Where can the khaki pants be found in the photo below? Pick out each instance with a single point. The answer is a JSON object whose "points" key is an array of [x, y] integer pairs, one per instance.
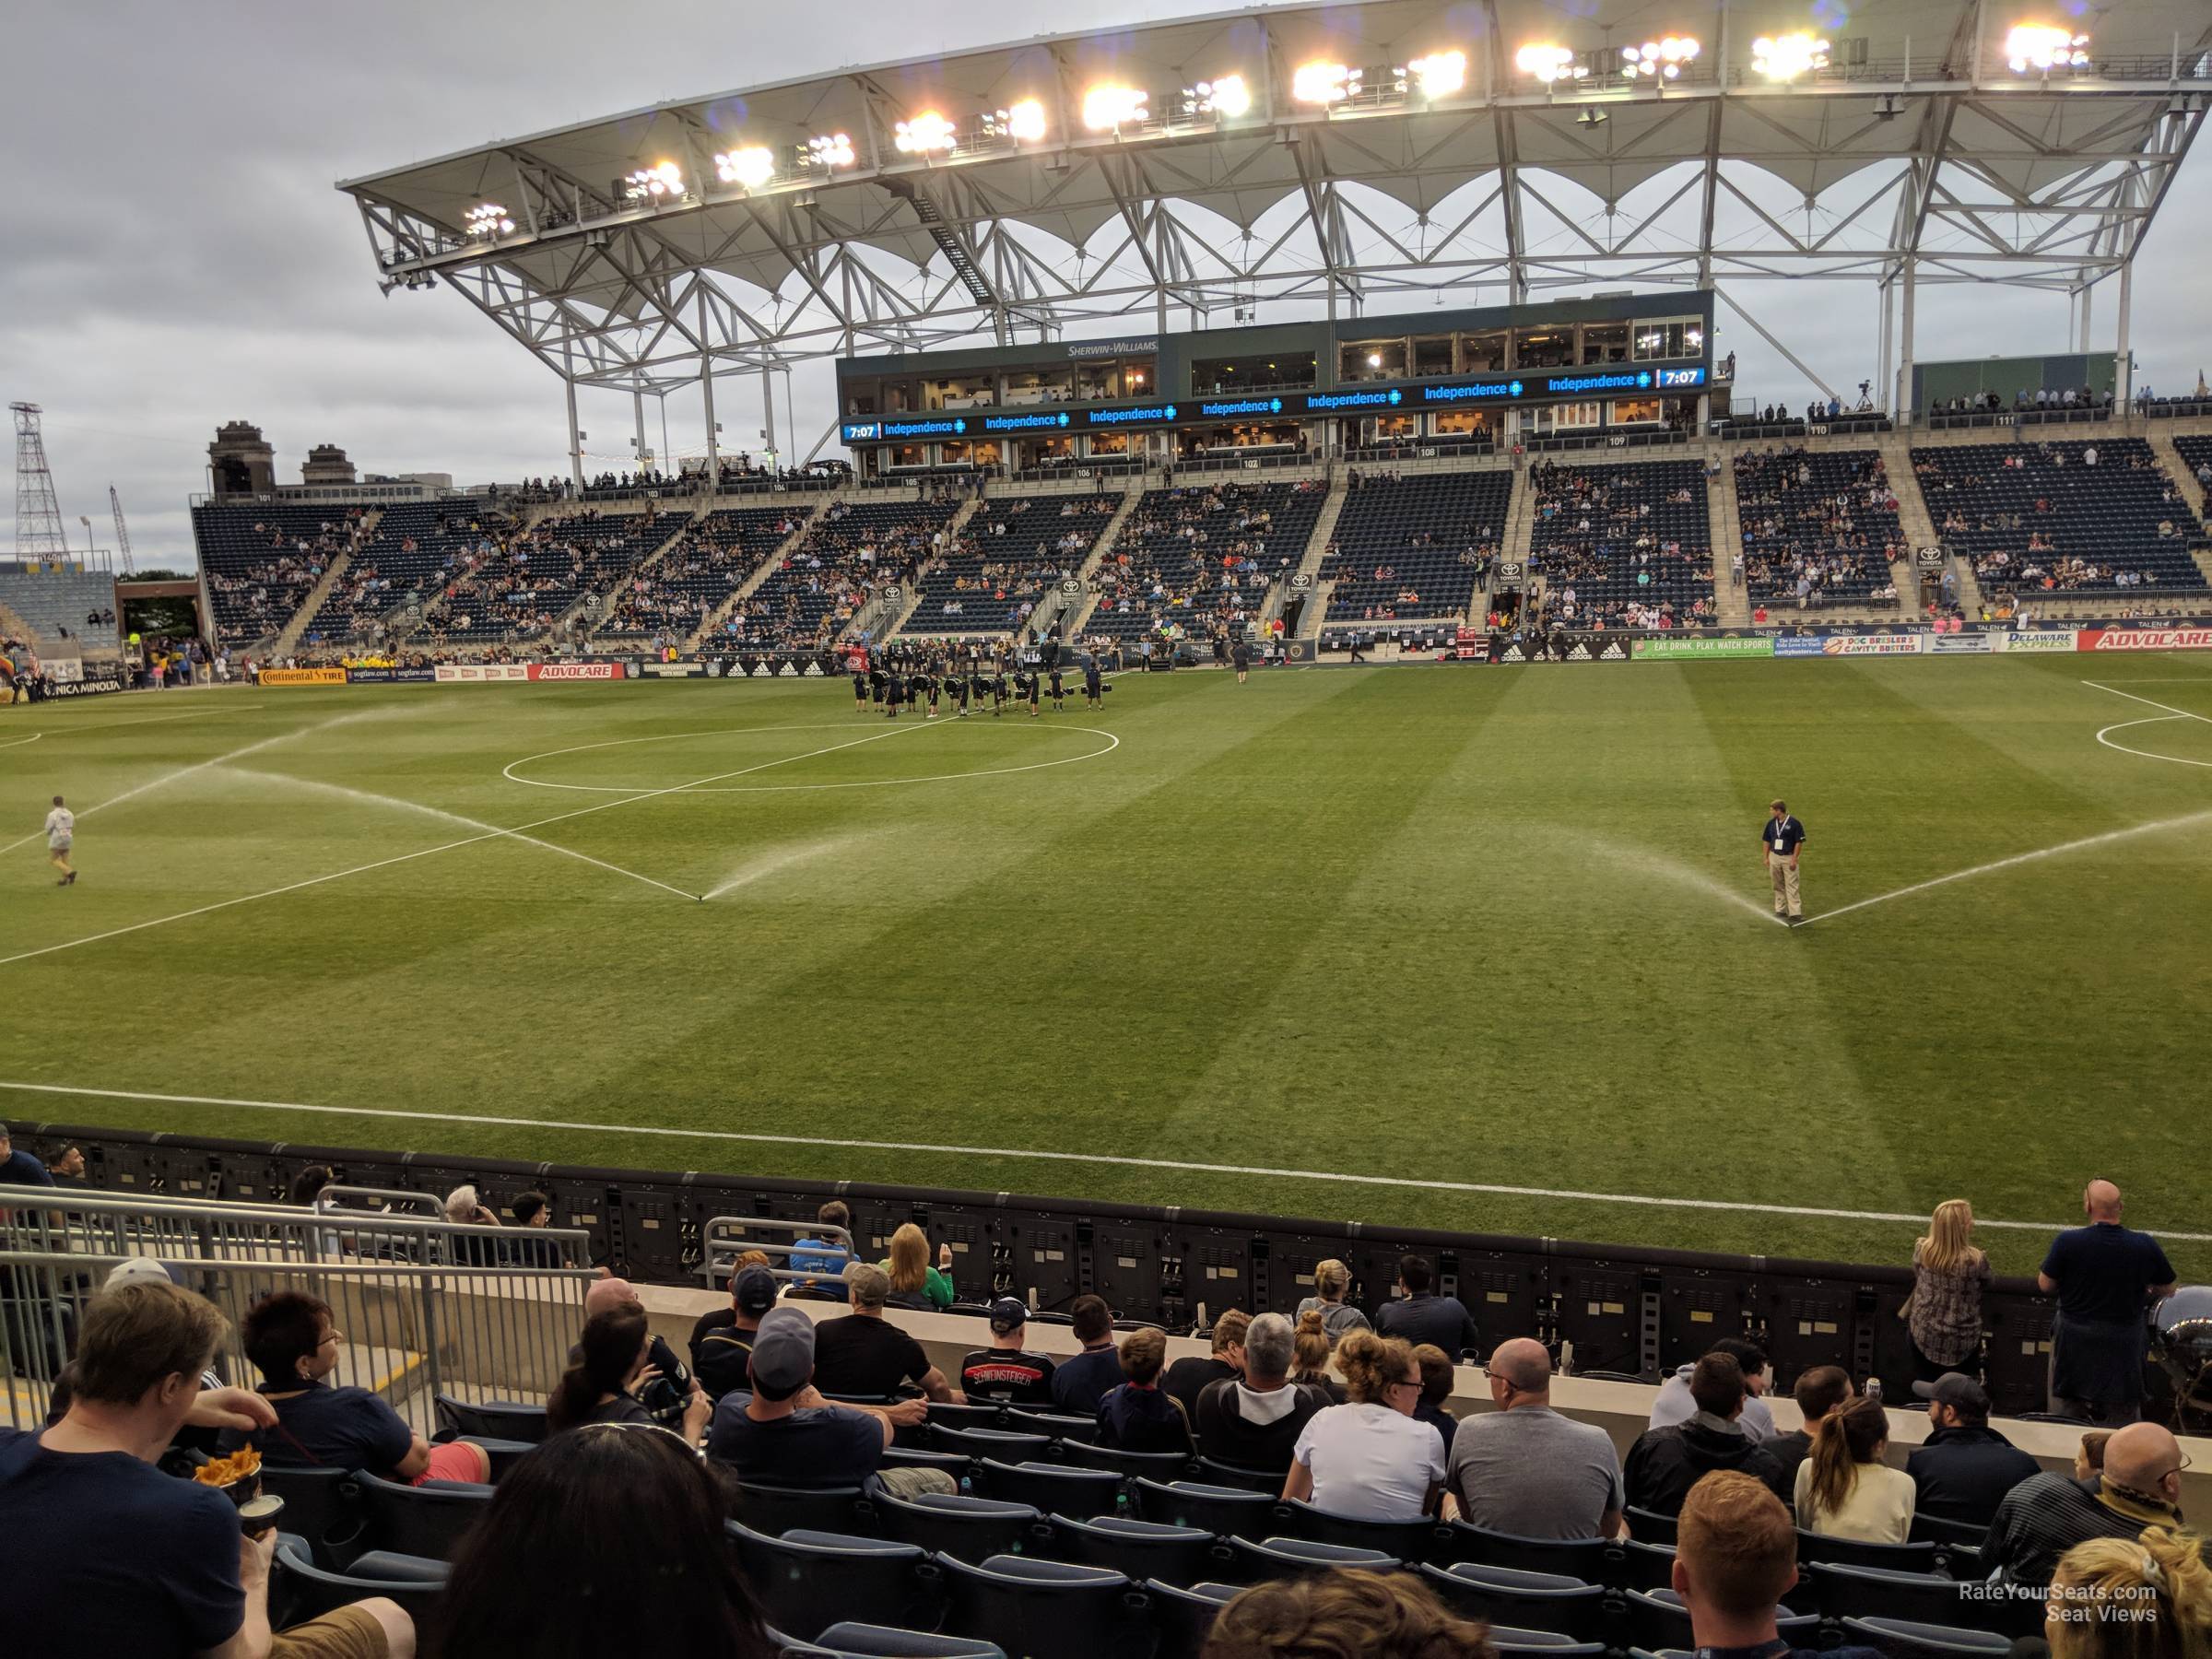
{"points": [[1784, 871]]}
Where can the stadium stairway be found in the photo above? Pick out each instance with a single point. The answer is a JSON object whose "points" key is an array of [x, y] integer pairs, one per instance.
{"points": [[13, 627], [1729, 599], [1100, 550], [910, 595], [583, 606], [1970, 591], [814, 510], [293, 631], [1317, 546], [2177, 469]]}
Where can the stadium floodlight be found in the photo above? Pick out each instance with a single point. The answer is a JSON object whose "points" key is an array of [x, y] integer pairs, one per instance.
{"points": [[1659, 60], [2037, 48], [1111, 108], [1786, 57], [1324, 83], [1549, 63], [750, 167], [923, 134], [1022, 122], [1226, 96], [488, 220], [1440, 73], [830, 149], [662, 180]]}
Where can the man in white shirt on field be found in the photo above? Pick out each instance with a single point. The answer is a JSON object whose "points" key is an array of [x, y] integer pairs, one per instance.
{"points": [[60, 829]]}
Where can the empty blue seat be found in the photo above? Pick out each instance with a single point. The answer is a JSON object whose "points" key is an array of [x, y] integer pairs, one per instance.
{"points": [[1052, 1488], [1058, 1425], [426, 1521], [1649, 1526], [1902, 1639], [1583, 1558], [1256, 1561], [322, 1507], [1157, 1466], [1046, 1608], [1414, 1540], [990, 1442], [1223, 1511], [1183, 1615], [1656, 1619], [1633, 1566], [1539, 1601], [1215, 1472], [776, 1510], [1813, 1547], [809, 1581], [1143, 1549], [974, 1529], [304, 1591]]}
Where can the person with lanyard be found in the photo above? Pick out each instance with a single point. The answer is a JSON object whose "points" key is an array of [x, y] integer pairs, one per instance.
{"points": [[1783, 837]]}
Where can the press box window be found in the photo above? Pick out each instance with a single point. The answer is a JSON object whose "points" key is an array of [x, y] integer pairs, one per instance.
{"points": [[1669, 337]]}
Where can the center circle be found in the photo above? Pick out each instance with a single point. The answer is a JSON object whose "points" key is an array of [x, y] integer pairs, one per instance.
{"points": [[720, 781]]}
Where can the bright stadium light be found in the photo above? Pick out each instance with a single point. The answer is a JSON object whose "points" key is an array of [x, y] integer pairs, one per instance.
{"points": [[830, 149], [1660, 60], [1549, 63], [751, 167], [1324, 83], [1786, 57], [1023, 122], [2037, 48], [1439, 75], [488, 220], [1110, 108], [1227, 96], [654, 184], [923, 134]]}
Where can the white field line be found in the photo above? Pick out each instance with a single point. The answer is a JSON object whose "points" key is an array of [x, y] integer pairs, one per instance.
{"points": [[373, 799], [470, 841], [2146, 701], [1332, 1177], [2104, 737], [182, 772], [2109, 836], [20, 741]]}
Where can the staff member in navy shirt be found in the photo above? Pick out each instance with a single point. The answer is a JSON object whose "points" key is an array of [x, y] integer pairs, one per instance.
{"points": [[1782, 835], [2105, 1276], [19, 1169]]}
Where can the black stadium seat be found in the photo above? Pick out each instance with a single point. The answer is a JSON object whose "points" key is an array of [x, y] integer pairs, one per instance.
{"points": [[1813, 1547], [1507, 1639], [1053, 1489], [876, 1642], [1255, 1562], [492, 1420], [1539, 1601], [973, 1529], [1845, 1592], [1903, 1639], [776, 1510], [1415, 548], [1143, 1549], [809, 1581], [1224, 1511], [999, 1444], [1166, 568], [418, 1520], [1045, 1607], [1583, 1558], [322, 1507], [1181, 1618], [1415, 1540], [1158, 1466], [1631, 1565], [1656, 1619], [304, 1591]]}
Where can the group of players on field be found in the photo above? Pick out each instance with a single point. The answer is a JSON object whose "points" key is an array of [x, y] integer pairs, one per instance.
{"points": [[961, 678]]}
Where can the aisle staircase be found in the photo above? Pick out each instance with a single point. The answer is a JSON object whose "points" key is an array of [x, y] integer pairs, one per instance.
{"points": [[1100, 550], [1309, 565], [881, 618], [292, 632], [1731, 599], [744, 590]]}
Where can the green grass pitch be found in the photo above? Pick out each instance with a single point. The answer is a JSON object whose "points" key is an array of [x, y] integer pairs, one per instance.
{"points": [[1476, 925]]}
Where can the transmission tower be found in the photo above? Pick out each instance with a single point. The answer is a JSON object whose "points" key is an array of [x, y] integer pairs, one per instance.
{"points": [[38, 515], [123, 536]]}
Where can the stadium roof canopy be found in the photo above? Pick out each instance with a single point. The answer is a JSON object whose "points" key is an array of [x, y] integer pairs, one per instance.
{"points": [[1348, 156]]}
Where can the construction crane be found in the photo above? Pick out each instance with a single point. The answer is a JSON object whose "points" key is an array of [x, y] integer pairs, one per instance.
{"points": [[38, 534], [123, 536]]}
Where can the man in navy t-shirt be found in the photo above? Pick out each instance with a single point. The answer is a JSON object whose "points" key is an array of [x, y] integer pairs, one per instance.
{"points": [[1079, 1384], [785, 1433], [1781, 836], [105, 1553], [2104, 1275], [19, 1169]]}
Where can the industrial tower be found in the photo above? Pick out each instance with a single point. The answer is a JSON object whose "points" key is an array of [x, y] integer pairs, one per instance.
{"points": [[38, 515], [123, 536]]}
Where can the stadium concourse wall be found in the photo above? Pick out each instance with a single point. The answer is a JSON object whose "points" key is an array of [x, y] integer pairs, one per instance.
{"points": [[1608, 1310]]}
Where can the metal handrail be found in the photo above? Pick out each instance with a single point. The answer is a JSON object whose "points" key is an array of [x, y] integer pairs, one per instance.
{"points": [[723, 1238]]}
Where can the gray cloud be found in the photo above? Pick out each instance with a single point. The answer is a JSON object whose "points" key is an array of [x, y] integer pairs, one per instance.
{"points": [[174, 255]]}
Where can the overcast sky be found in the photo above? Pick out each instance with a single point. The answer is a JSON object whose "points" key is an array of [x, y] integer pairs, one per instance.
{"points": [[174, 256]]}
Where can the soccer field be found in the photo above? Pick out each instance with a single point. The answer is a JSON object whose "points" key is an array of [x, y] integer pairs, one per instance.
{"points": [[1489, 943]]}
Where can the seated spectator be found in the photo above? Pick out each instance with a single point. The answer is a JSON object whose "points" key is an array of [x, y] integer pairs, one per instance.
{"points": [[1079, 1384], [1844, 1489], [106, 1554], [465, 1207], [1963, 1469], [1370, 1459], [1818, 1392], [1735, 1556], [1254, 1421], [1437, 1375], [783, 1432], [864, 1354], [1345, 1611], [1139, 1414], [825, 1256], [1675, 1406], [1423, 1316], [650, 1574], [2048, 1514], [914, 1283], [604, 1372], [749, 1299], [1006, 1371], [1310, 1365], [716, 1318], [289, 1337], [18, 1168], [532, 1211], [1664, 1463], [2144, 1600], [1332, 1283], [664, 1388], [2088, 1458], [1190, 1377], [1526, 1470]]}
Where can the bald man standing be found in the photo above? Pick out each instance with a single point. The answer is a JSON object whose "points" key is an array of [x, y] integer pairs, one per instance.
{"points": [[1526, 1470], [2105, 1276]]}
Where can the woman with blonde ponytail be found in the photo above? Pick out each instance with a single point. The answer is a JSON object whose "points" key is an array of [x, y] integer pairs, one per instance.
{"points": [[1331, 1282], [1844, 1489], [2132, 1598], [1310, 1354]]}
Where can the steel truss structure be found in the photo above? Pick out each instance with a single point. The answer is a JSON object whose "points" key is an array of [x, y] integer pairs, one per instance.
{"points": [[1915, 155]]}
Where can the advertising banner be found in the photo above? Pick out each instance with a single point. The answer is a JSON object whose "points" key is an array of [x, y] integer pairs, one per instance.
{"points": [[575, 671], [651, 670], [1799, 645], [84, 687], [1887, 644], [300, 677], [473, 673], [390, 677], [1958, 644], [2143, 639], [1663, 649], [2038, 639]]}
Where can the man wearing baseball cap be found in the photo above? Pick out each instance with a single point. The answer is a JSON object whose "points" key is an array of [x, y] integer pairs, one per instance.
{"points": [[1006, 1371], [720, 1356], [783, 1432], [1965, 1468]]}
